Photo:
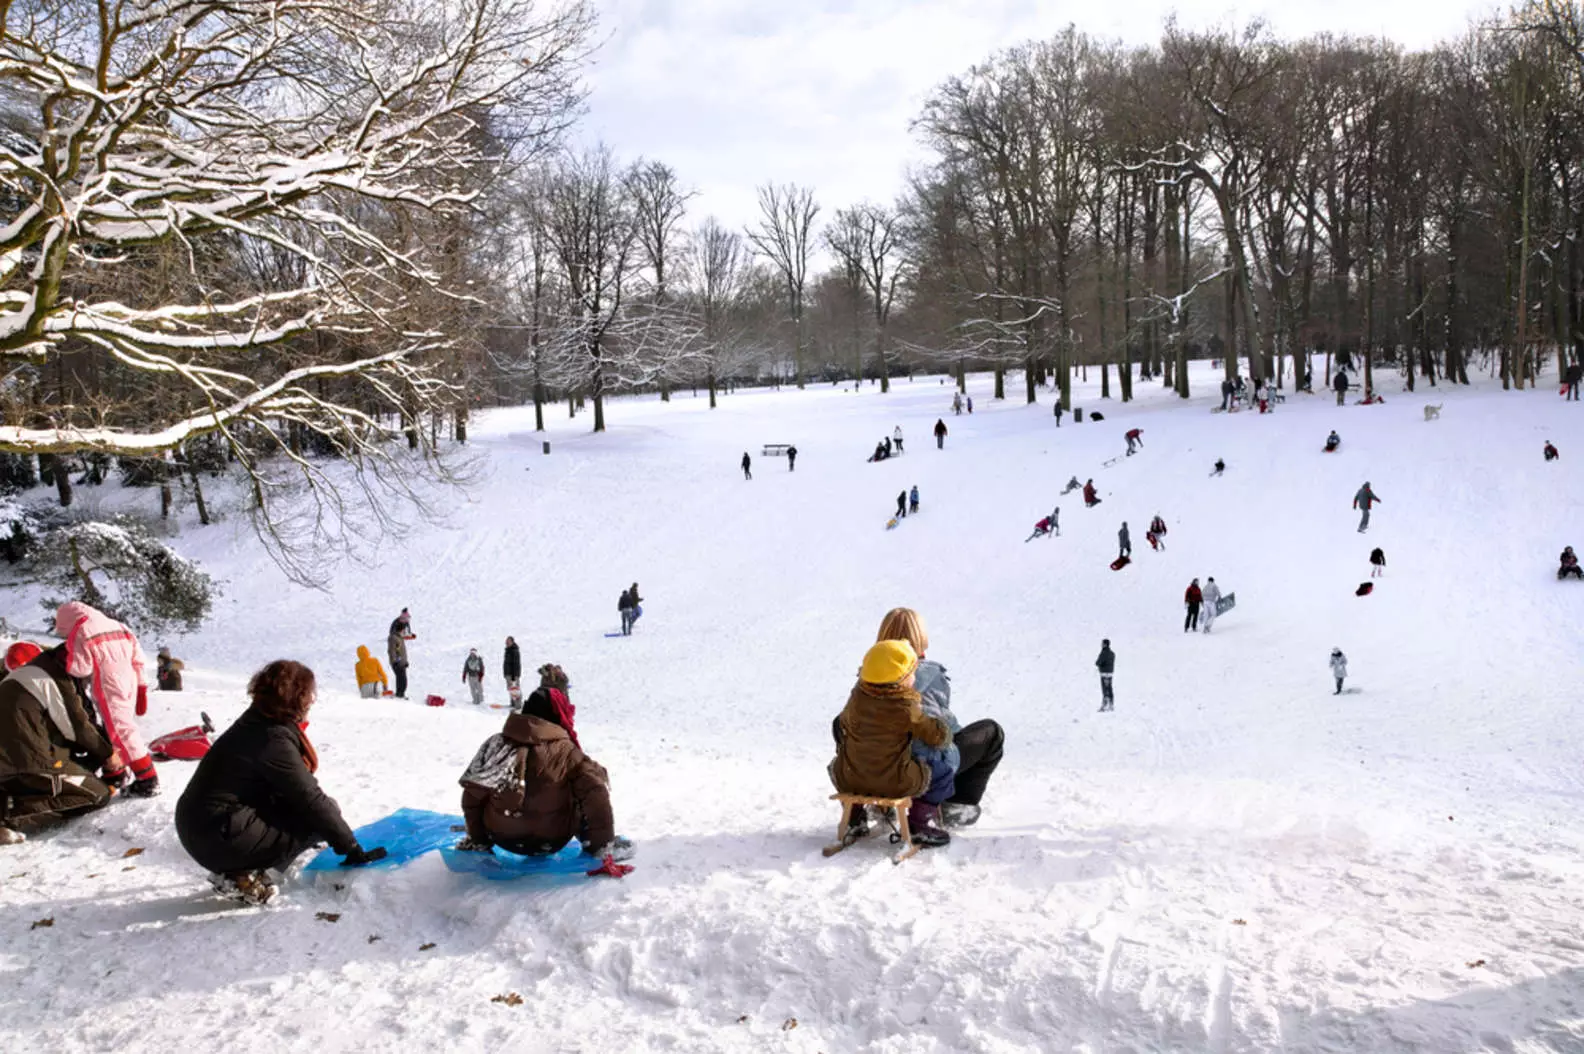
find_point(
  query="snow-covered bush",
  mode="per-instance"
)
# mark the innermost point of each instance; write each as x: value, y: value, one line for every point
x: 126, y: 572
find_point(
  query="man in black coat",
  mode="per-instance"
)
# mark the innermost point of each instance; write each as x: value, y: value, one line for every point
x: 44, y: 733
x: 512, y: 667
x: 1106, y: 664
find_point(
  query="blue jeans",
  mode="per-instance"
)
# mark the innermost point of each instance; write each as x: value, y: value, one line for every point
x: 943, y: 782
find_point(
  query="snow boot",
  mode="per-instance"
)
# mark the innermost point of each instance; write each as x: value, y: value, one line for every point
x: 147, y: 787
x: 618, y: 848
x: 923, y: 824
x: 247, y: 887
x: 9, y: 836
x: 857, y: 825
x: 959, y: 814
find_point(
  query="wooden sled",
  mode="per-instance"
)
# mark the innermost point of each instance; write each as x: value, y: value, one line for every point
x: 852, y: 801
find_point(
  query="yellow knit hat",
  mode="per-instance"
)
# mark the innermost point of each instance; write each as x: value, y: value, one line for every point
x: 887, y: 662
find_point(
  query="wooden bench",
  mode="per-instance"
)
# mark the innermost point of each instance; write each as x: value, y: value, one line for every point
x: 897, y: 805
x: 775, y: 449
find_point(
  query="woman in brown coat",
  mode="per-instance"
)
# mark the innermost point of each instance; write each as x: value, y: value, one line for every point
x: 530, y: 788
x: 883, y: 716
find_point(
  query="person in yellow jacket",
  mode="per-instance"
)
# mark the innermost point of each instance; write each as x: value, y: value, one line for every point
x: 370, y: 675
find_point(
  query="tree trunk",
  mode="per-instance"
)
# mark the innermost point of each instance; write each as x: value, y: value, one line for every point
x: 63, y: 484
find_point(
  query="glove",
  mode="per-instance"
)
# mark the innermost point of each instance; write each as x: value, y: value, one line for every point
x: 359, y: 857
x: 142, y: 700
x: 612, y: 868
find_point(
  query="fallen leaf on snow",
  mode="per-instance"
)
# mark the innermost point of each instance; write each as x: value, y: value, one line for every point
x: 1476, y: 964
x: 743, y: 1020
x: 130, y: 867
x: 373, y: 937
x: 426, y: 947
x: 134, y: 851
x: 1240, y: 922
x: 328, y: 916
x: 789, y: 1024
x: 43, y: 924
x: 510, y: 999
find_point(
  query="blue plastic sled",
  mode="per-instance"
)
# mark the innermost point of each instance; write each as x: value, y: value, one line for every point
x: 406, y: 835
x: 501, y: 866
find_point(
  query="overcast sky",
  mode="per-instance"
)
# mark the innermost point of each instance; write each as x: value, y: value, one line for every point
x: 735, y: 93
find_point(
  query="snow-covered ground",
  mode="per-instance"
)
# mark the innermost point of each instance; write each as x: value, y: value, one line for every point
x: 1234, y: 860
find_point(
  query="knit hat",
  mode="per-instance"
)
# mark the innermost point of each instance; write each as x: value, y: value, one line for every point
x: 553, y: 676
x: 21, y: 653
x: 887, y: 662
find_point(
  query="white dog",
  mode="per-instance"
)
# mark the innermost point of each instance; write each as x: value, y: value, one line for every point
x: 1433, y: 413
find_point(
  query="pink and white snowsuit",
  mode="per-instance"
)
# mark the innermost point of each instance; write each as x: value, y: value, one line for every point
x: 100, y: 648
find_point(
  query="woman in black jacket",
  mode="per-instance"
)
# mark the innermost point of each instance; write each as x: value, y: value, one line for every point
x: 254, y: 802
x: 512, y: 667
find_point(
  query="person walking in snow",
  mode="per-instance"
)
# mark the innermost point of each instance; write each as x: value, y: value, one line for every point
x: 1338, y: 668
x: 100, y: 648
x: 1363, y: 500
x: 896, y: 438
x: 1134, y: 439
x: 1058, y: 413
x: 473, y: 675
x: 628, y: 605
x: 1551, y: 451
x: 396, y: 651
x: 253, y: 804
x: 1106, y: 664
x: 1377, y: 563
x: 791, y: 459
x: 1211, y: 596
x: 940, y: 434
x: 970, y: 404
x: 913, y: 499
x: 370, y: 674
x: 1124, y: 542
x: 1262, y: 396
x: 901, y: 512
x: 1574, y: 374
x: 511, y: 665
x: 1091, y: 499
x: 747, y: 466
x: 1340, y: 383
x: 957, y: 403
x: 1192, y: 598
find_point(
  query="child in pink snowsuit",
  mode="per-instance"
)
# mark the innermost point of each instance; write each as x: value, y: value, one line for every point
x: 100, y: 648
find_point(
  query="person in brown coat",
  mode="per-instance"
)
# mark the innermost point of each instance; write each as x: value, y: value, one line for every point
x: 874, y: 752
x: 44, y: 730
x: 530, y: 789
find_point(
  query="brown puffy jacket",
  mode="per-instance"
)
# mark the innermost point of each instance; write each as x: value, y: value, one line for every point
x: 874, y: 755
x: 564, y: 794
x: 39, y: 737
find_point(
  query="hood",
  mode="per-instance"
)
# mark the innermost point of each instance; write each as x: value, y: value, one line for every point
x: 528, y: 730
x: 68, y: 615
x: 363, y: 651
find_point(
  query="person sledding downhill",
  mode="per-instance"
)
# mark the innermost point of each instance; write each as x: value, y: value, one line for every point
x: 1332, y: 442
x: 1091, y: 499
x: 1570, y: 566
x: 530, y: 789
x: 1551, y: 451
x: 107, y: 653
x: 883, y: 717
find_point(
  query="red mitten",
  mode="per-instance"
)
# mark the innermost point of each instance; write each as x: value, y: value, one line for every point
x: 610, y: 867
x: 142, y: 700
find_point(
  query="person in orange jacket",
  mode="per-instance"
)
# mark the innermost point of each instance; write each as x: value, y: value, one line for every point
x: 370, y: 675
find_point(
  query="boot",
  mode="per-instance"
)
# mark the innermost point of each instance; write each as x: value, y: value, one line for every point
x: 248, y: 887
x: 924, y: 825
x: 959, y: 814
x: 147, y: 787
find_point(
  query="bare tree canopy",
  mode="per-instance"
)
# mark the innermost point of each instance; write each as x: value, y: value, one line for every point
x: 784, y: 236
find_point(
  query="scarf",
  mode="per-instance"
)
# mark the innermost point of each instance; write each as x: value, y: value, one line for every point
x: 496, y: 765
x: 551, y: 704
x: 310, y: 756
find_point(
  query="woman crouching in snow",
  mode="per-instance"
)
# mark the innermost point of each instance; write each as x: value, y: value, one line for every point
x: 876, y: 731
x: 254, y: 804
x: 530, y: 788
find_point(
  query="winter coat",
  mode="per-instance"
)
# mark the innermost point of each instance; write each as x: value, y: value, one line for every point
x: 1365, y: 497
x: 1378, y: 557
x: 1089, y: 493
x: 512, y: 668
x: 1134, y: 434
x: 1211, y: 594
x: 1339, y: 665
x: 1193, y: 596
x: 934, y: 689
x: 1123, y: 538
x: 396, y: 648
x: 100, y: 648
x: 1106, y: 663
x: 1340, y: 382
x: 473, y: 666
x: 874, y: 755
x: 254, y: 791
x: 43, y: 722
x: 1575, y: 372
x: 529, y: 789
x: 940, y: 428
x: 626, y: 601
x: 369, y: 670
x: 168, y: 673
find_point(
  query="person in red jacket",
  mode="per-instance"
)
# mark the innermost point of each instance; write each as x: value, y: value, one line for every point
x: 1193, y: 598
x: 1134, y: 439
x: 1091, y: 499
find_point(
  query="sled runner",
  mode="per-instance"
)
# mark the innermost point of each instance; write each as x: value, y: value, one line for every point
x: 1120, y: 562
x: 858, y: 801
x: 1111, y: 461
x: 1225, y: 604
x: 185, y: 744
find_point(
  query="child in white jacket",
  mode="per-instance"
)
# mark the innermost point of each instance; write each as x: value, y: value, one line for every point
x: 1338, y: 668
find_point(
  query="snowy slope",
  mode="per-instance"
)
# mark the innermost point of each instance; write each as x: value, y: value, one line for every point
x: 1234, y: 860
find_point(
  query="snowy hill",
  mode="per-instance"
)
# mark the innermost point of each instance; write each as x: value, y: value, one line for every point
x: 1234, y: 860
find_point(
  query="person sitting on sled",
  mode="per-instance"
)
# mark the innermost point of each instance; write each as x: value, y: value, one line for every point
x: 530, y: 789
x: 1551, y: 451
x: 1570, y: 565
x: 1332, y: 441
x: 1091, y: 499
x: 1157, y: 533
x: 880, y: 453
x: 883, y: 718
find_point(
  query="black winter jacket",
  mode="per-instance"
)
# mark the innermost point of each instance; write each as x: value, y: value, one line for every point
x: 31, y: 741
x: 1106, y: 663
x: 513, y: 666
x: 253, y: 800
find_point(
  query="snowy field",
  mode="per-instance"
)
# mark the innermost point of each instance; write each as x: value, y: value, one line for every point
x: 1234, y: 860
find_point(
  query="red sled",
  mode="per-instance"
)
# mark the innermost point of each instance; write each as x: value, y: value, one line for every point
x: 434, y: 700
x: 1120, y: 562
x: 186, y: 744
x: 1364, y: 589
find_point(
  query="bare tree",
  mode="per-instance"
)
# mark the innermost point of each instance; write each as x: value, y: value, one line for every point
x: 784, y: 237
x: 660, y: 203
x: 717, y: 268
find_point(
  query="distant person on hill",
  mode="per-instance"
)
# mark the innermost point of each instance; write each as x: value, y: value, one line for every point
x: 791, y: 459
x: 1377, y: 563
x: 168, y: 671
x: 902, y: 505
x: 885, y: 441
x: 1124, y: 542
x: 1340, y: 383
x: 1193, y: 598
x: 1091, y: 499
x: 1574, y: 374
x: 940, y: 434
x: 1072, y: 485
x: 370, y: 674
x: 747, y: 466
x: 473, y: 675
x: 970, y: 404
x: 1042, y: 529
x: 913, y: 499
x: 1332, y: 441
x: 1551, y: 451
x: 511, y: 664
x: 1570, y: 565
x: 1226, y: 394
x: 396, y: 652
x: 896, y: 438
x: 879, y: 453
x: 1106, y: 664
x: 1211, y: 595
x: 1363, y: 500
x: 1338, y: 668
x: 1134, y: 439
x: 1220, y: 467
x: 629, y: 608
x: 957, y: 403
x: 1058, y: 412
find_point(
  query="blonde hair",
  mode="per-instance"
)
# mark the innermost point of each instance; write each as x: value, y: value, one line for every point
x: 905, y: 624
